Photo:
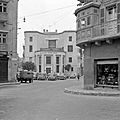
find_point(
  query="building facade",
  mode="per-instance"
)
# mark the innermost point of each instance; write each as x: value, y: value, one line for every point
x: 98, y: 33
x: 51, y: 51
x: 8, y: 39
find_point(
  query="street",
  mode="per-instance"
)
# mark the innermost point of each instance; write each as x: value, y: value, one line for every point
x: 46, y: 100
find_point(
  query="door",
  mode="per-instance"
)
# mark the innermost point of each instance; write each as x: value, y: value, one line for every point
x: 48, y: 70
x: 3, y: 69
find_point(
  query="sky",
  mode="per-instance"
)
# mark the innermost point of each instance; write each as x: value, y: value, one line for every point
x: 45, y: 14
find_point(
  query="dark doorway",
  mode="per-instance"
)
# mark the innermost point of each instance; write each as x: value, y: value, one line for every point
x: 3, y: 69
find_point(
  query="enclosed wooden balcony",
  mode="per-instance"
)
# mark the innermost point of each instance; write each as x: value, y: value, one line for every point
x: 3, y: 47
x: 3, y: 17
x: 108, y: 30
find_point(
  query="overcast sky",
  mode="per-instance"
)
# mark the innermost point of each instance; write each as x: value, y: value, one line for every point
x: 45, y: 14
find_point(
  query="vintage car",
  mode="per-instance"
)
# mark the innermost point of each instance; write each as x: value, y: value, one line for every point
x: 25, y: 76
x: 52, y: 77
x: 42, y: 76
x: 61, y: 77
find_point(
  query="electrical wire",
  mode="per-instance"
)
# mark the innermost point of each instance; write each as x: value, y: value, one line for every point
x: 47, y: 11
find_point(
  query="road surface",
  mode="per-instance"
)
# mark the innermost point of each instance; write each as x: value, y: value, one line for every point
x: 46, y: 100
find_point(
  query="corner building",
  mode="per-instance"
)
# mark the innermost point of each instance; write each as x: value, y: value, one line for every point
x: 98, y: 33
x: 51, y: 51
x: 8, y: 40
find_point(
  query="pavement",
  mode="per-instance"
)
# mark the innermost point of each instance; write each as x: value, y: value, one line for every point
x: 99, y: 91
x: 9, y: 83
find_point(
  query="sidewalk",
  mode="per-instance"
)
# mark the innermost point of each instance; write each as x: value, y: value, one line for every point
x: 99, y: 91
x: 9, y: 83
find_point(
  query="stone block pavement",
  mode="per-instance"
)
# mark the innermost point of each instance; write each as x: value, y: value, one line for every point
x: 99, y: 91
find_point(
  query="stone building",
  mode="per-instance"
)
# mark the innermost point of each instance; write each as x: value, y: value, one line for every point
x: 8, y: 39
x: 98, y: 33
x: 51, y: 51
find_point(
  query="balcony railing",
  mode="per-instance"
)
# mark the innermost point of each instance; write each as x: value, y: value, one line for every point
x: 3, y: 17
x: 98, y: 32
x: 3, y: 47
x: 52, y: 49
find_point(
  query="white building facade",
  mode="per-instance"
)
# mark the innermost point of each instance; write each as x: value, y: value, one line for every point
x: 52, y: 51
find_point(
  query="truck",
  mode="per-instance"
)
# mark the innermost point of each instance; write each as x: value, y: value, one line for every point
x: 25, y: 76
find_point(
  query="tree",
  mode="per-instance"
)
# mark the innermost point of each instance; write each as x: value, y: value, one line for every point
x: 29, y: 66
x: 68, y: 67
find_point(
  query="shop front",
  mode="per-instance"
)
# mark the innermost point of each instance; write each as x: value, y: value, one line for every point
x: 106, y: 73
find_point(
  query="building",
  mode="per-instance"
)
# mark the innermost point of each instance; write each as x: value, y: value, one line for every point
x: 98, y: 33
x: 8, y: 39
x: 51, y: 51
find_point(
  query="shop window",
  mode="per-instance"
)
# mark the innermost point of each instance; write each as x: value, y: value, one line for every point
x: 107, y: 74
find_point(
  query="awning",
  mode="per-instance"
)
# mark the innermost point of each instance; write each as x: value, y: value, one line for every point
x: 107, y: 62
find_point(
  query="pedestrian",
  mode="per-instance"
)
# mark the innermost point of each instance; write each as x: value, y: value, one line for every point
x: 78, y: 76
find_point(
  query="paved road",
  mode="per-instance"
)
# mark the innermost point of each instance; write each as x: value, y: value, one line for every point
x: 46, y: 100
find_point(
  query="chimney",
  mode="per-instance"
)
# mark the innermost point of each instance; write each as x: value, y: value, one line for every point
x: 44, y: 30
x: 56, y: 30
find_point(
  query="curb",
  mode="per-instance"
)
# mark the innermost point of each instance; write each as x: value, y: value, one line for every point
x: 9, y: 83
x: 92, y: 92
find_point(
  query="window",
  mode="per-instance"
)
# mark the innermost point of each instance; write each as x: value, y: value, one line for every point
x: 83, y: 22
x: 48, y: 60
x: 31, y: 39
x: 71, y: 68
x: 70, y: 48
x: 102, y: 16
x: 57, y: 68
x: 3, y: 38
x: 118, y: 12
x: 83, y: 34
x: 52, y: 43
x: 39, y: 68
x: 40, y: 60
x: 88, y: 20
x: 30, y: 59
x: 78, y: 24
x: 30, y: 48
x: 3, y: 7
x: 70, y: 38
x: 57, y: 60
x: 70, y: 59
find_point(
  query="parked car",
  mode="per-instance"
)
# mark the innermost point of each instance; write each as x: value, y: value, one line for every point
x: 42, y: 76
x: 61, y: 77
x: 72, y: 76
x: 52, y: 77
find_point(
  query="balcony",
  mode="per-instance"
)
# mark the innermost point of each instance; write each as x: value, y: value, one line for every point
x: 52, y: 49
x: 3, y: 47
x: 3, y: 17
x: 98, y: 32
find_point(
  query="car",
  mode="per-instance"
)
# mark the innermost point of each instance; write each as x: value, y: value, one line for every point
x: 61, y: 77
x: 52, y: 77
x: 42, y: 76
x: 72, y: 76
